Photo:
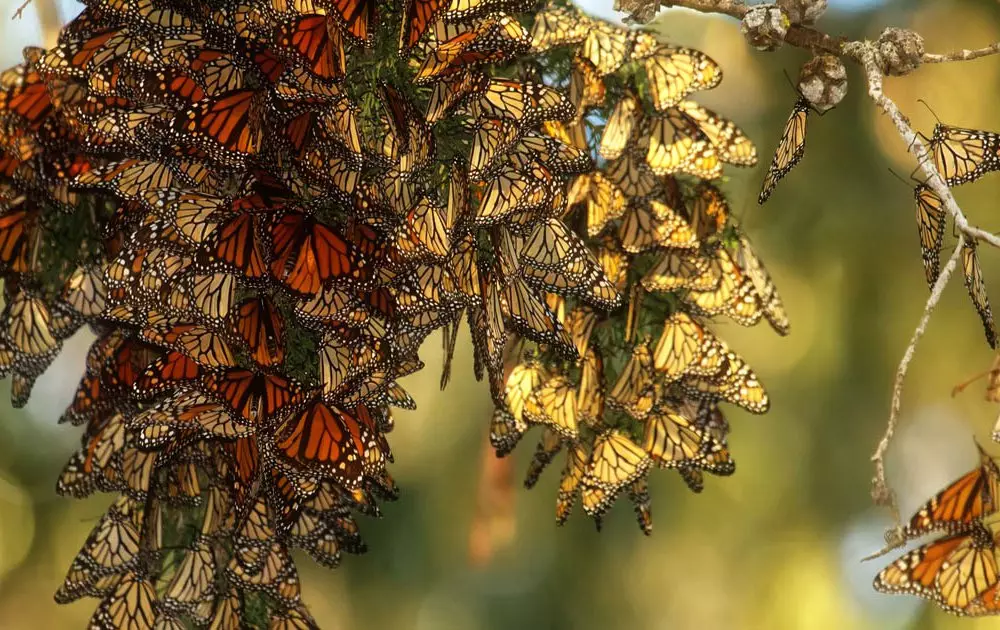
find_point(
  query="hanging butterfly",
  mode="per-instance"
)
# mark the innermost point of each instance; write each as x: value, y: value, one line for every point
x: 964, y: 155
x: 791, y: 148
x: 977, y: 290
x: 930, y: 229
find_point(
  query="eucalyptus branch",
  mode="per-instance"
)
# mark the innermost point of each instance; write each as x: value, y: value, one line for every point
x: 963, y: 55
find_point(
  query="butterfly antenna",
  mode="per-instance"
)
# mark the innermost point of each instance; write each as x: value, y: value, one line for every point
x: 933, y: 113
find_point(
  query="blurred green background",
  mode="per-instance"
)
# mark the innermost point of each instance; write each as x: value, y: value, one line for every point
x: 776, y: 546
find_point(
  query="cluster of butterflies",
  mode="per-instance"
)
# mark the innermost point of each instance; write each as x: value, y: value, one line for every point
x: 661, y: 231
x: 262, y: 209
x: 960, y: 155
x: 958, y: 571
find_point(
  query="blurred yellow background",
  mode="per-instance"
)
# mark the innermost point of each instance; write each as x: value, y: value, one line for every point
x: 776, y: 546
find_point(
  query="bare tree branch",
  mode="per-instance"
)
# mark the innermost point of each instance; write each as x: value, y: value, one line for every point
x: 963, y: 55
x: 20, y: 10
x: 797, y: 35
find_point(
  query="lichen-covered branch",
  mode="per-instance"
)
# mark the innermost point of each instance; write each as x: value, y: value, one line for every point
x: 963, y: 55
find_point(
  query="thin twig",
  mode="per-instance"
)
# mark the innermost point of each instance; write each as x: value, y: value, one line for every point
x: 17, y: 13
x: 880, y: 490
x: 962, y: 55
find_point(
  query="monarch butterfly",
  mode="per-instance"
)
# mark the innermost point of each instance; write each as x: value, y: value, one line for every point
x: 586, y: 87
x: 316, y: 40
x: 930, y: 229
x: 532, y: 318
x: 580, y: 324
x: 505, y: 431
x: 490, y: 140
x: 308, y: 253
x: 213, y: 294
x: 674, y: 145
x: 767, y: 293
x: 251, y: 395
x: 679, y: 269
x: 523, y: 379
x: 448, y: 92
x: 114, y: 544
x: 614, y: 263
x: 673, y: 73
x: 133, y: 604
x: 679, y: 345
x: 228, y: 611
x: 19, y: 236
x: 89, y: 468
x: 276, y: 575
x: 605, y: 46
x: 791, y: 148
x: 262, y: 327
x: 671, y: 439
x: 557, y: 26
x: 194, y: 579
x: 23, y: 93
x: 556, y: 156
x: 510, y: 191
x: 545, y: 451
x: 423, y: 233
x: 496, y: 37
x: 977, y: 290
x: 734, y: 295
x: 554, y: 405
x: 327, y: 438
x: 418, y: 16
x: 357, y: 17
x: 409, y: 144
x: 525, y: 102
x: 590, y: 392
x: 129, y: 179
x: 968, y: 499
x: 619, y: 127
x: 954, y: 571
x: 229, y: 127
x: 30, y: 325
x: 172, y: 369
x: 735, y: 382
x: 207, y: 348
x: 605, y: 202
x: 729, y: 141
x: 634, y: 391
x: 633, y: 176
x: 298, y: 618
x: 577, y: 458
x: 185, y: 410
x: 616, y: 462
x: 651, y: 223
x: 556, y: 259
x: 85, y: 291
x: 964, y: 155
x: 464, y: 10
x: 345, y: 365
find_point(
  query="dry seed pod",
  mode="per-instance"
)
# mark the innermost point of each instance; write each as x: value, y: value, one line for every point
x: 823, y: 82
